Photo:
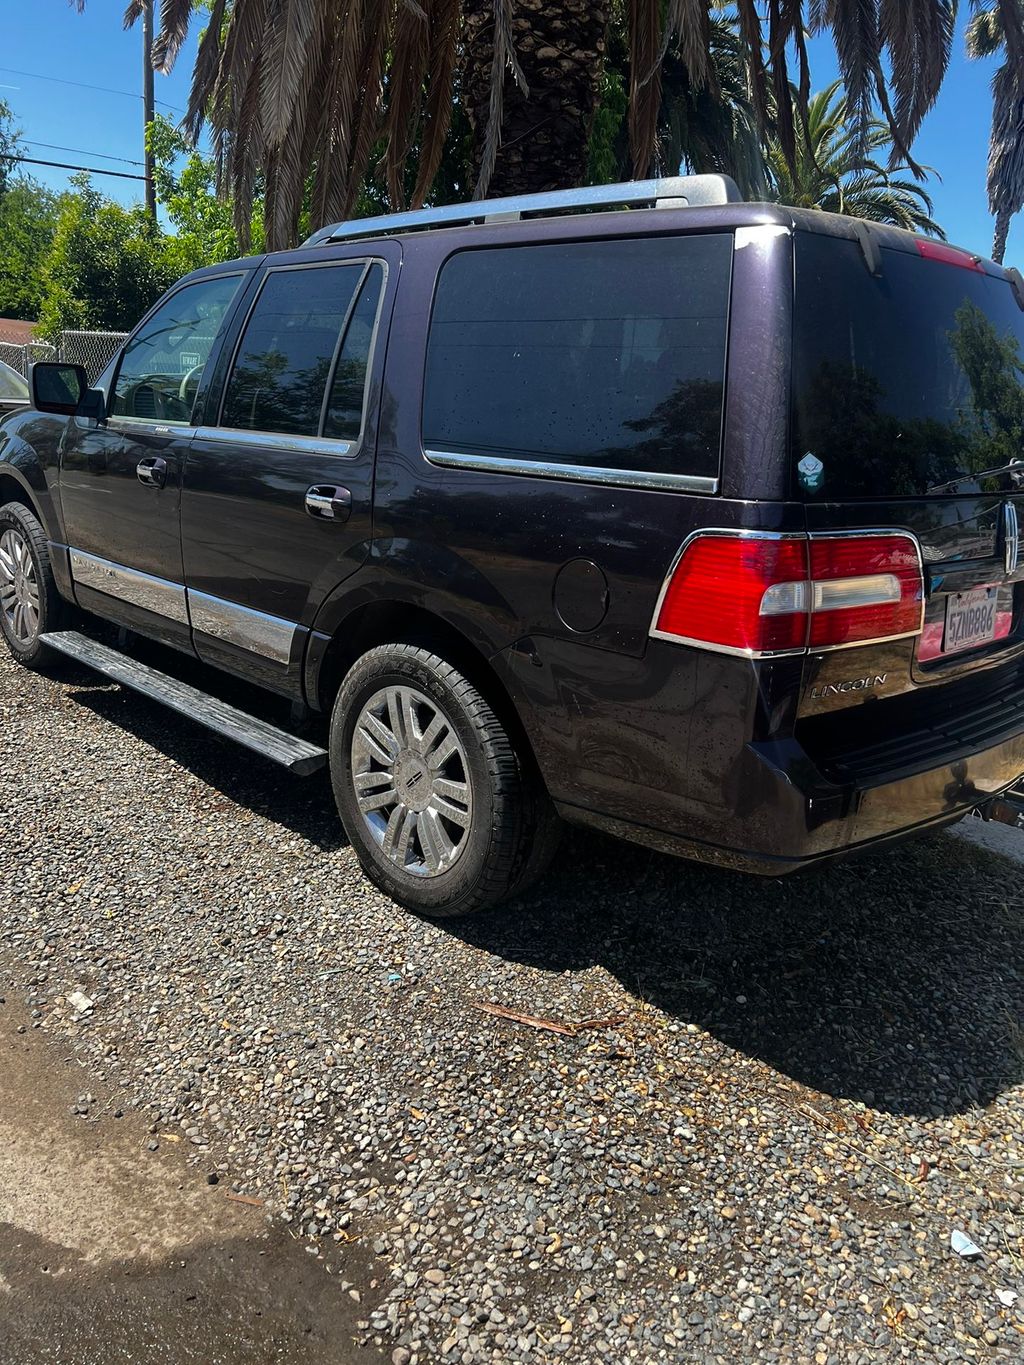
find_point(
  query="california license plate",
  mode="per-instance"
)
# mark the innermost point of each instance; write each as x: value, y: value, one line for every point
x: 970, y: 619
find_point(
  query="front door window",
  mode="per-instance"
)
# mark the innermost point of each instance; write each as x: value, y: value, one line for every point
x: 163, y: 362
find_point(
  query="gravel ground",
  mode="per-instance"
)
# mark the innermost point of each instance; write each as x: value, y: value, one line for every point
x: 791, y: 1093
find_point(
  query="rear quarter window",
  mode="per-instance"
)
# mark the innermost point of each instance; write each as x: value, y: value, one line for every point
x: 603, y: 354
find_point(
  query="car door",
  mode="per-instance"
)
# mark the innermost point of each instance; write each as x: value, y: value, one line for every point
x: 120, y: 480
x: 277, y: 497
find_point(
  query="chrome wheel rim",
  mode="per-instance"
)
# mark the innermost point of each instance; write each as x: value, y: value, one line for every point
x: 412, y: 781
x: 19, y: 588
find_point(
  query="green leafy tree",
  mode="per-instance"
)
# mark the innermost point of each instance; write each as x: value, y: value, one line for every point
x: 10, y: 137
x: 836, y: 170
x: 106, y: 267
x: 993, y: 422
x: 28, y: 219
x: 186, y: 188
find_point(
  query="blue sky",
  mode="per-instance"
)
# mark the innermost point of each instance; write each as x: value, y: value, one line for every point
x: 47, y: 37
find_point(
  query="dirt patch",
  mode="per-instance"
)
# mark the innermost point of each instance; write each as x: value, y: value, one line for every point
x: 111, y: 1252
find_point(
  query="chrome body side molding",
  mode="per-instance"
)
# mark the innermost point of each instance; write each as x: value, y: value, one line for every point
x: 542, y: 469
x: 157, y: 595
x: 271, y: 637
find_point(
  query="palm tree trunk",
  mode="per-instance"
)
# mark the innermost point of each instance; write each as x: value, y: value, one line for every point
x: 1002, y: 232
x: 559, y: 45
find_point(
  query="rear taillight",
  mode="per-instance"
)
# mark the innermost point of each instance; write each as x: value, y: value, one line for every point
x: 762, y: 594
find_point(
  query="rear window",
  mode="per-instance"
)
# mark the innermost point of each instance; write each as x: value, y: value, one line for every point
x: 606, y: 354
x: 903, y: 381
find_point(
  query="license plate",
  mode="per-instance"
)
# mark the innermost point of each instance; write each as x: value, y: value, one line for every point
x: 970, y: 619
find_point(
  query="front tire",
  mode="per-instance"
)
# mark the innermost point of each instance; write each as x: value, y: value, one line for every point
x: 439, y: 807
x: 30, y: 604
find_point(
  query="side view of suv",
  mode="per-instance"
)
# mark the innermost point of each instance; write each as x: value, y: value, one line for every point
x: 642, y: 507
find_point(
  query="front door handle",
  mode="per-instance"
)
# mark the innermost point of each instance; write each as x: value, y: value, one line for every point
x: 325, y: 502
x: 152, y: 471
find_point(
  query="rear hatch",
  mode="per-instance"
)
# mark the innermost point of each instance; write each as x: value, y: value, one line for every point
x: 908, y: 393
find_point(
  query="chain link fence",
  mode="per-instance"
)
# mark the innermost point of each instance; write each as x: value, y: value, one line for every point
x: 91, y: 350
x: 20, y: 357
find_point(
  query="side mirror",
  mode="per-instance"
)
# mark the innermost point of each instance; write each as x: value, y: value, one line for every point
x: 64, y: 390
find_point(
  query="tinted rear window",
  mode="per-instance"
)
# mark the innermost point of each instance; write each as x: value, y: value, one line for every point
x: 604, y: 353
x: 903, y: 381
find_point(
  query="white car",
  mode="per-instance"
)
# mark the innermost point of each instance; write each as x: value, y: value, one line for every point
x: 13, y: 390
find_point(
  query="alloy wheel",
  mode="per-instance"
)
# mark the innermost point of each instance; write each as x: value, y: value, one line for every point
x: 412, y: 781
x: 19, y: 587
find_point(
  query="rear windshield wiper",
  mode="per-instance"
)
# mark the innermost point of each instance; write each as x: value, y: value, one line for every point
x: 1015, y: 467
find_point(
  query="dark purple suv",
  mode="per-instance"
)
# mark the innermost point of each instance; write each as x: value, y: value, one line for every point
x: 644, y: 508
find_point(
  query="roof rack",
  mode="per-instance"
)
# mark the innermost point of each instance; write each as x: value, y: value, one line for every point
x: 680, y: 191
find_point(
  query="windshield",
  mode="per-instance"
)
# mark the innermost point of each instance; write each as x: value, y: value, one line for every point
x: 901, y: 381
x: 11, y: 383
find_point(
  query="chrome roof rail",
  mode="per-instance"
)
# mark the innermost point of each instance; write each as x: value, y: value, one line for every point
x: 681, y: 191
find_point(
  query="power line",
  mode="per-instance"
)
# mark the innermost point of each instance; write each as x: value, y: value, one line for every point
x: 79, y: 151
x: 103, y: 89
x: 63, y: 166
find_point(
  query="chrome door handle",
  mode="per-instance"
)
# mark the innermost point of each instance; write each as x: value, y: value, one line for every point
x: 325, y: 502
x: 152, y: 471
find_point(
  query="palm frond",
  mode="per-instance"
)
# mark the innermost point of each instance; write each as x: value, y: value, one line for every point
x: 204, y: 73
x: 689, y: 21
x: 1011, y: 16
x: 918, y: 36
x: 343, y: 43
x: 174, y: 21
x: 409, y: 62
x: 503, y: 53
x: 750, y: 30
x: 1006, y: 145
x: 984, y: 34
x: 645, y: 28
x: 835, y: 172
x: 376, y: 37
x: 444, y: 48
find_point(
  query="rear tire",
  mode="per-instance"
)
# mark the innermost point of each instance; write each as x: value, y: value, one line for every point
x: 443, y: 813
x: 30, y: 604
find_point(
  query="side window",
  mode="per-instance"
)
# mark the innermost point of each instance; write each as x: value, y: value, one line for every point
x: 163, y: 363
x: 343, y: 419
x: 297, y: 338
x: 603, y: 353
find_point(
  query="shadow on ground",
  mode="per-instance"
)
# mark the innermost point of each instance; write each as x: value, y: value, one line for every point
x: 235, y: 1302
x: 303, y: 805
x: 896, y: 978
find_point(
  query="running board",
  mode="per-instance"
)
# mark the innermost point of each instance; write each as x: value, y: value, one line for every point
x: 297, y: 755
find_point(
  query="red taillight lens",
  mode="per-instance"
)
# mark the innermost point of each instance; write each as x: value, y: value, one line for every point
x: 864, y: 588
x: 715, y: 595
x: 761, y: 594
x: 948, y: 255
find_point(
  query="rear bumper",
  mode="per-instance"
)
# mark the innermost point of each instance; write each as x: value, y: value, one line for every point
x: 793, y: 817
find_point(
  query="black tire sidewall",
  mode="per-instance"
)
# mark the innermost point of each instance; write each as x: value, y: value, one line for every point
x: 15, y: 516
x: 456, y: 891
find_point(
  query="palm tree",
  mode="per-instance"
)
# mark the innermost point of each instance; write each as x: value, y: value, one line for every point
x: 707, y: 127
x: 986, y: 37
x: 299, y: 87
x: 834, y: 169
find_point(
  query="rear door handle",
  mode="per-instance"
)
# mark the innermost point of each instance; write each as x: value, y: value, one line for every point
x: 152, y: 471
x: 325, y: 502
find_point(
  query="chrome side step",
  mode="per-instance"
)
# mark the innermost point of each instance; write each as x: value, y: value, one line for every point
x: 297, y: 755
